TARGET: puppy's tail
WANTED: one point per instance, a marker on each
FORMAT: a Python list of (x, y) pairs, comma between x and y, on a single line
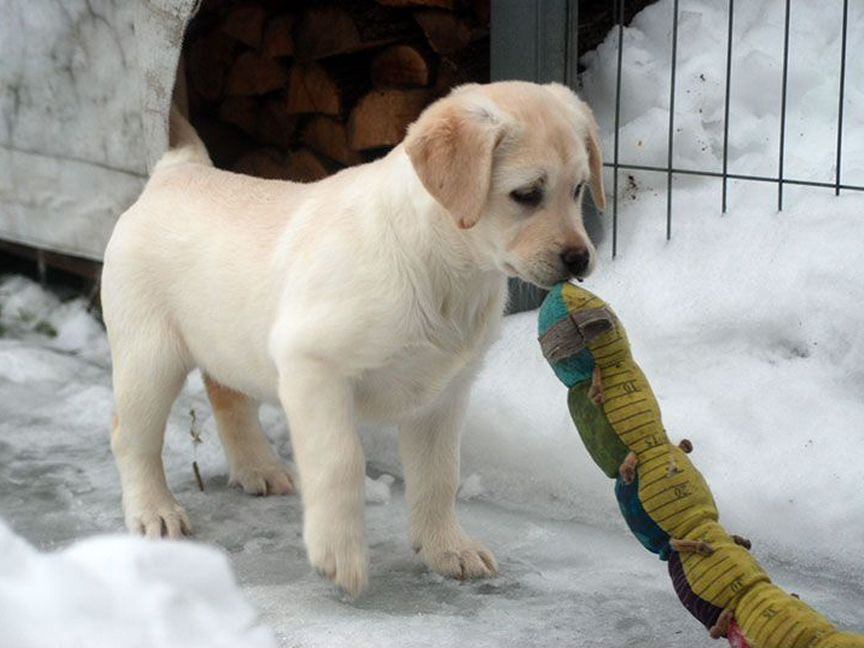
[(185, 145)]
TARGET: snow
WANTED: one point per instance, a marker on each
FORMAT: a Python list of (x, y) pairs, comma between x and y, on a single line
[(755, 352), (122, 591), (755, 97), (378, 490), (748, 326), (471, 487)]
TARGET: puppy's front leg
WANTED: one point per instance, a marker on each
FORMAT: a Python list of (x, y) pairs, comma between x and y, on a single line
[(429, 447), (320, 409)]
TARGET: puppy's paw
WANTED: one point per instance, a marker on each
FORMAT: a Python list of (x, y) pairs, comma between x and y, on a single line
[(462, 558), (339, 555), (160, 518), (271, 478)]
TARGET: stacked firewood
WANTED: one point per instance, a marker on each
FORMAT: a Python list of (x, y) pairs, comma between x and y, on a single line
[(298, 90)]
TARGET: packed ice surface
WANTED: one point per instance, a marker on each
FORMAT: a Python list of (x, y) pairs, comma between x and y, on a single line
[(748, 326), (756, 357)]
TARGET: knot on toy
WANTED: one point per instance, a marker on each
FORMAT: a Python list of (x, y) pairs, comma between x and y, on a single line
[(721, 627), (692, 546), (573, 333), (627, 469)]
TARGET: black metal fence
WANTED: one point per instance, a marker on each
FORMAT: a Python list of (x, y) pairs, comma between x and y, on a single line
[(671, 171)]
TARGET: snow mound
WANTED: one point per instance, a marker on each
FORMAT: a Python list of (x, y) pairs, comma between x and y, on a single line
[(121, 591), (755, 95), (472, 486), (29, 312), (378, 490)]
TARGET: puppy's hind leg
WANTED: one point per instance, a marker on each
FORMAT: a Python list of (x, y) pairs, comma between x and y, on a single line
[(148, 372), (252, 463)]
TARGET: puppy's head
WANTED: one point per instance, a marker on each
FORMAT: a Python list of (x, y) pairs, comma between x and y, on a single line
[(510, 162)]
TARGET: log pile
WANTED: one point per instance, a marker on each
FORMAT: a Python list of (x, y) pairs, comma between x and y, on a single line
[(299, 90)]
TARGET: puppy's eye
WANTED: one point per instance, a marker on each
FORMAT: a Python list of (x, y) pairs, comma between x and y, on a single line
[(528, 197), (578, 191)]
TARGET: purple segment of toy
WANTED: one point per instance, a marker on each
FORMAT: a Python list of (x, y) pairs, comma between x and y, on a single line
[(705, 612)]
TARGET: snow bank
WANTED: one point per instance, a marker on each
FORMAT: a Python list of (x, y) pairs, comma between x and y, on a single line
[(749, 329), (29, 312), (122, 591), (755, 97), (748, 325)]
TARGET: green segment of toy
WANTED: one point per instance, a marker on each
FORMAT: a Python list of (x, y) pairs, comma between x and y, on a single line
[(599, 438)]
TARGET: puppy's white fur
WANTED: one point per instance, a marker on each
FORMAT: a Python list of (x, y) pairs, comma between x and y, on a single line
[(369, 295)]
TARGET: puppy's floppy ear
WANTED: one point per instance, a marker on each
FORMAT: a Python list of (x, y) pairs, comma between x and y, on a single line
[(588, 125), (595, 160), (451, 147)]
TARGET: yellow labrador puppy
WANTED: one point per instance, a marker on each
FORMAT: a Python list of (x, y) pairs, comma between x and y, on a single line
[(370, 295)]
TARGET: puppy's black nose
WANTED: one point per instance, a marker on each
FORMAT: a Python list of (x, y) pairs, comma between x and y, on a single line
[(576, 260)]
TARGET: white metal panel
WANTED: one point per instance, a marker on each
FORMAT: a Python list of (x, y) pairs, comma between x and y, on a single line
[(84, 93)]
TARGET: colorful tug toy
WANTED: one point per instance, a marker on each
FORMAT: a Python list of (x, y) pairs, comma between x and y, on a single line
[(664, 499)]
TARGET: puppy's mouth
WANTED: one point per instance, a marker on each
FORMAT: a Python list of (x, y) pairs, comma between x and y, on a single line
[(545, 277)]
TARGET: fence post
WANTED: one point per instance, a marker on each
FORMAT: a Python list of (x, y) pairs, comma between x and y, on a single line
[(546, 31)]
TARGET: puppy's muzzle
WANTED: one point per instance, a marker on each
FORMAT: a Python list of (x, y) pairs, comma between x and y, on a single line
[(576, 261)]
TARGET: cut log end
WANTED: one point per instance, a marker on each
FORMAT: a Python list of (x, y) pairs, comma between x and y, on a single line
[(329, 137), (449, 5), (275, 124), (253, 74), (400, 66), (350, 27), (312, 90), (242, 111), (245, 23), (279, 37), (305, 166), (300, 166), (382, 117), (445, 32), (208, 63), (325, 31)]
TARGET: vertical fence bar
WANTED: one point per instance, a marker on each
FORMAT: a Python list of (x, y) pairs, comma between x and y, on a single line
[(620, 11), (726, 105), (842, 91), (571, 45), (783, 107), (671, 120), (538, 35), (42, 268)]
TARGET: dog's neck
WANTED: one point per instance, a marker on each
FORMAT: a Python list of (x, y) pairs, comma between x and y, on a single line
[(426, 227), (456, 286)]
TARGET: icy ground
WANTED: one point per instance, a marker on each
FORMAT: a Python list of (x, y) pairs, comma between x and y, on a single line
[(750, 330), (749, 327)]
